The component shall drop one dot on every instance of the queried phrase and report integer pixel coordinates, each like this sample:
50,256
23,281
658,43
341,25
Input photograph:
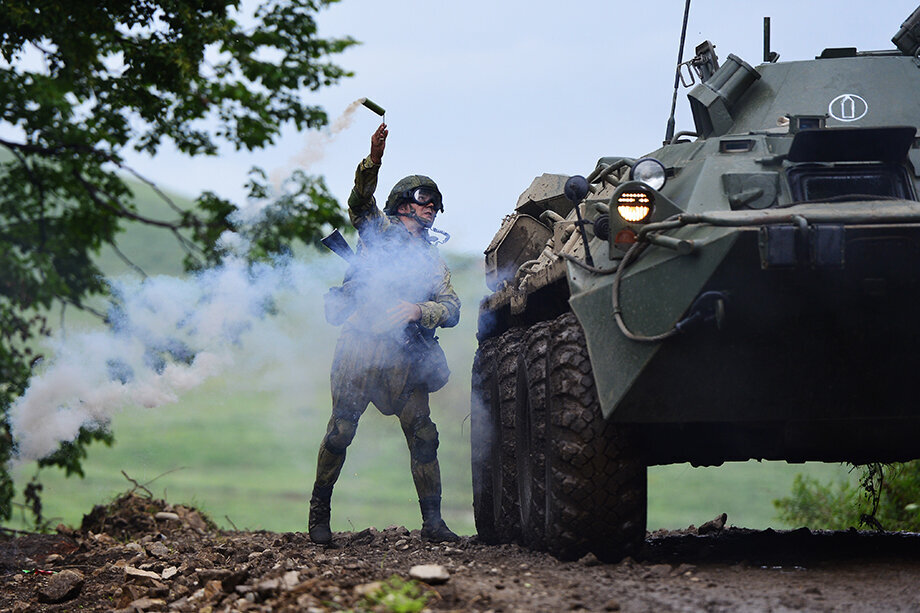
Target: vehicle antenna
768,54
669,133
766,39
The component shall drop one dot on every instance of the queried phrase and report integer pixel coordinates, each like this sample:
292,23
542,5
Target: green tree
81,83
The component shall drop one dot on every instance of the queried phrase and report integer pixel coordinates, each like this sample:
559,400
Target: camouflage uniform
372,363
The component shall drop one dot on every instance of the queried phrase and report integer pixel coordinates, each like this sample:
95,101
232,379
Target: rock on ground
63,586
432,574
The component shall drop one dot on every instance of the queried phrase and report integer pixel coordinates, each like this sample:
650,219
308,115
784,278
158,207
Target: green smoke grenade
373,106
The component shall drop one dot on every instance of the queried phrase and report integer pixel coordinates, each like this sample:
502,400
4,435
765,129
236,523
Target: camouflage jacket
394,265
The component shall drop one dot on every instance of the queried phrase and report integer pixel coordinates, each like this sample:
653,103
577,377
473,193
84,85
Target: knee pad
424,441
339,437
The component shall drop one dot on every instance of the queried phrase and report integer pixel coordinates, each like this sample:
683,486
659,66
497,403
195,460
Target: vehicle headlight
650,171
634,206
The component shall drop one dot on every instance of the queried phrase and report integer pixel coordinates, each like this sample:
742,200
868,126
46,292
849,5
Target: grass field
247,458
242,447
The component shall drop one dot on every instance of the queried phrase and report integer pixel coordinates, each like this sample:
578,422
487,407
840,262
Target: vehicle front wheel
592,479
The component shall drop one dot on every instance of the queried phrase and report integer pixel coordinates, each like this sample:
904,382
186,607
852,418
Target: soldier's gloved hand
402,314
378,143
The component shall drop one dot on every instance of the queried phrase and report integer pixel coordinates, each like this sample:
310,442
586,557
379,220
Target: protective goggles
424,196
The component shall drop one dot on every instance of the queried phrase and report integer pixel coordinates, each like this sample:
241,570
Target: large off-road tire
494,380
530,431
483,439
588,483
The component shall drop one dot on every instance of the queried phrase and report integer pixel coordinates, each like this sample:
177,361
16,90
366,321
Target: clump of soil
132,516
143,554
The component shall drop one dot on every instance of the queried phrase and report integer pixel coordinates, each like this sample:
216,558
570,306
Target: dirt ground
141,554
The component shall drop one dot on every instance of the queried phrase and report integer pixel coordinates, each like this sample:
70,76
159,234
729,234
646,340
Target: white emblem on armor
848,107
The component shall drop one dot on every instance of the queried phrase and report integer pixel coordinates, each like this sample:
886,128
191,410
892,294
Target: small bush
887,498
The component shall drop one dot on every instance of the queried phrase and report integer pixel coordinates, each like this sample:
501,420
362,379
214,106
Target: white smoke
316,143
167,336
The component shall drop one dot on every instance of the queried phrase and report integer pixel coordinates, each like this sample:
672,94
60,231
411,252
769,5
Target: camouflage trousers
376,371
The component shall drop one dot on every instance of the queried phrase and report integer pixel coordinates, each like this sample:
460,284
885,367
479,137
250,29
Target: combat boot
320,510
433,527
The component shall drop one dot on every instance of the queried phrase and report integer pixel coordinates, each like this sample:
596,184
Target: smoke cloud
167,335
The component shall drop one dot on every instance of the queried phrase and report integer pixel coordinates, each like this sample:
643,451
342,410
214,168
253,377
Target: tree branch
82,307
137,486
50,151
30,148
91,189
187,245
127,260
116,207
39,186
156,188
113,205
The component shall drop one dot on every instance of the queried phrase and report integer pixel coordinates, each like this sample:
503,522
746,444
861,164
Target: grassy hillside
243,446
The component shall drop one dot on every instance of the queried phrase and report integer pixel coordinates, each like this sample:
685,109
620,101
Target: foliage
829,506
303,204
396,595
888,498
81,83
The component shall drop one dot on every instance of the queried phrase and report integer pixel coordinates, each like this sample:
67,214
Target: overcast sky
483,95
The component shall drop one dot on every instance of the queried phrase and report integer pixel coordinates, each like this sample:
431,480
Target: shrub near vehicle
747,291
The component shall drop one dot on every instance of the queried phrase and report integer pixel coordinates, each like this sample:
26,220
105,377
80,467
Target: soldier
397,292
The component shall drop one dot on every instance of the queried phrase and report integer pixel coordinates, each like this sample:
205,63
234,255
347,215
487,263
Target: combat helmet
401,192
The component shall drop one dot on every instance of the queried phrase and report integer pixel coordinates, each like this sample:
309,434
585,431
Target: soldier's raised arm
362,207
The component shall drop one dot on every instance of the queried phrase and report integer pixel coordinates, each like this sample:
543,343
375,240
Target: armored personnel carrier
750,290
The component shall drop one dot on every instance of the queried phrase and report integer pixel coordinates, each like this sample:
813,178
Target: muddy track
139,561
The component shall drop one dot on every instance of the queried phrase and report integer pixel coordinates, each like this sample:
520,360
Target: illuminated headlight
634,206
650,171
